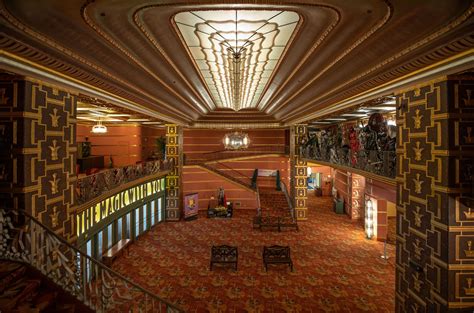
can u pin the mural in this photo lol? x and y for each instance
(368, 147)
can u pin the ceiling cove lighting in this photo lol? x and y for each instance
(236, 141)
(99, 128)
(236, 51)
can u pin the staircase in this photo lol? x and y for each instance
(273, 202)
(229, 173)
(23, 289)
(41, 267)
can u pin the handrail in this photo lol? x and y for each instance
(235, 171)
(92, 186)
(288, 199)
(378, 162)
(24, 239)
(228, 154)
(259, 209)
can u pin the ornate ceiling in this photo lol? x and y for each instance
(176, 60)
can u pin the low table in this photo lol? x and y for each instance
(217, 212)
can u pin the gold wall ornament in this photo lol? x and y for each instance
(3, 98)
(469, 214)
(468, 101)
(54, 184)
(418, 151)
(469, 290)
(469, 253)
(55, 118)
(418, 217)
(469, 138)
(54, 217)
(418, 249)
(418, 183)
(54, 150)
(416, 281)
(417, 118)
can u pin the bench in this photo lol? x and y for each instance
(275, 222)
(224, 255)
(109, 256)
(277, 255)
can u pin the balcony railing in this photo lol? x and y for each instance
(25, 239)
(382, 163)
(92, 186)
(228, 154)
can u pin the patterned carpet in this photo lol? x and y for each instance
(336, 268)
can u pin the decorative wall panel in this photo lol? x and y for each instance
(174, 150)
(38, 151)
(435, 266)
(298, 177)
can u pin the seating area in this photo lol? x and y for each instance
(277, 255)
(275, 223)
(224, 254)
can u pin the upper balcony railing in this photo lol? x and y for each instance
(92, 186)
(229, 154)
(382, 163)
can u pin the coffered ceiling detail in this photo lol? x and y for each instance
(236, 51)
(176, 59)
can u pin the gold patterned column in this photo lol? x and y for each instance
(435, 216)
(174, 151)
(38, 151)
(298, 181)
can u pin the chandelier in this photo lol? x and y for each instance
(99, 128)
(236, 141)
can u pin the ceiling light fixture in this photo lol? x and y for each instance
(99, 128)
(236, 51)
(236, 141)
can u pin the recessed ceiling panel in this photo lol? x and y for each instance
(236, 51)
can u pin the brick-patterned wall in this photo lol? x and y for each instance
(435, 166)
(38, 151)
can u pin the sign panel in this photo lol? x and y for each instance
(191, 206)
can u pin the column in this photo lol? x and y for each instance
(38, 151)
(435, 216)
(298, 181)
(174, 151)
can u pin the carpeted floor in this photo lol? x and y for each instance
(336, 268)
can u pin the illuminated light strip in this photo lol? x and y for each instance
(17, 63)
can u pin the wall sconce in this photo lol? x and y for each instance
(369, 219)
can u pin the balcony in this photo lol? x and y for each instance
(90, 187)
(381, 163)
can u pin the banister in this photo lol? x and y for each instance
(68, 267)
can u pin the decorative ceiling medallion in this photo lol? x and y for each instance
(236, 51)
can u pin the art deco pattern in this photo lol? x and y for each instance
(236, 51)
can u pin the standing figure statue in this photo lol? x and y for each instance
(221, 201)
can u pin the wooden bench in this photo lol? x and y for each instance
(224, 255)
(109, 256)
(277, 255)
(275, 222)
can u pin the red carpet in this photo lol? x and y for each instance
(336, 268)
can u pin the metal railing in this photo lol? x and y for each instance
(288, 199)
(229, 154)
(92, 186)
(381, 163)
(231, 172)
(25, 239)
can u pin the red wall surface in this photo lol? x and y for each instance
(198, 179)
(198, 141)
(125, 144)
